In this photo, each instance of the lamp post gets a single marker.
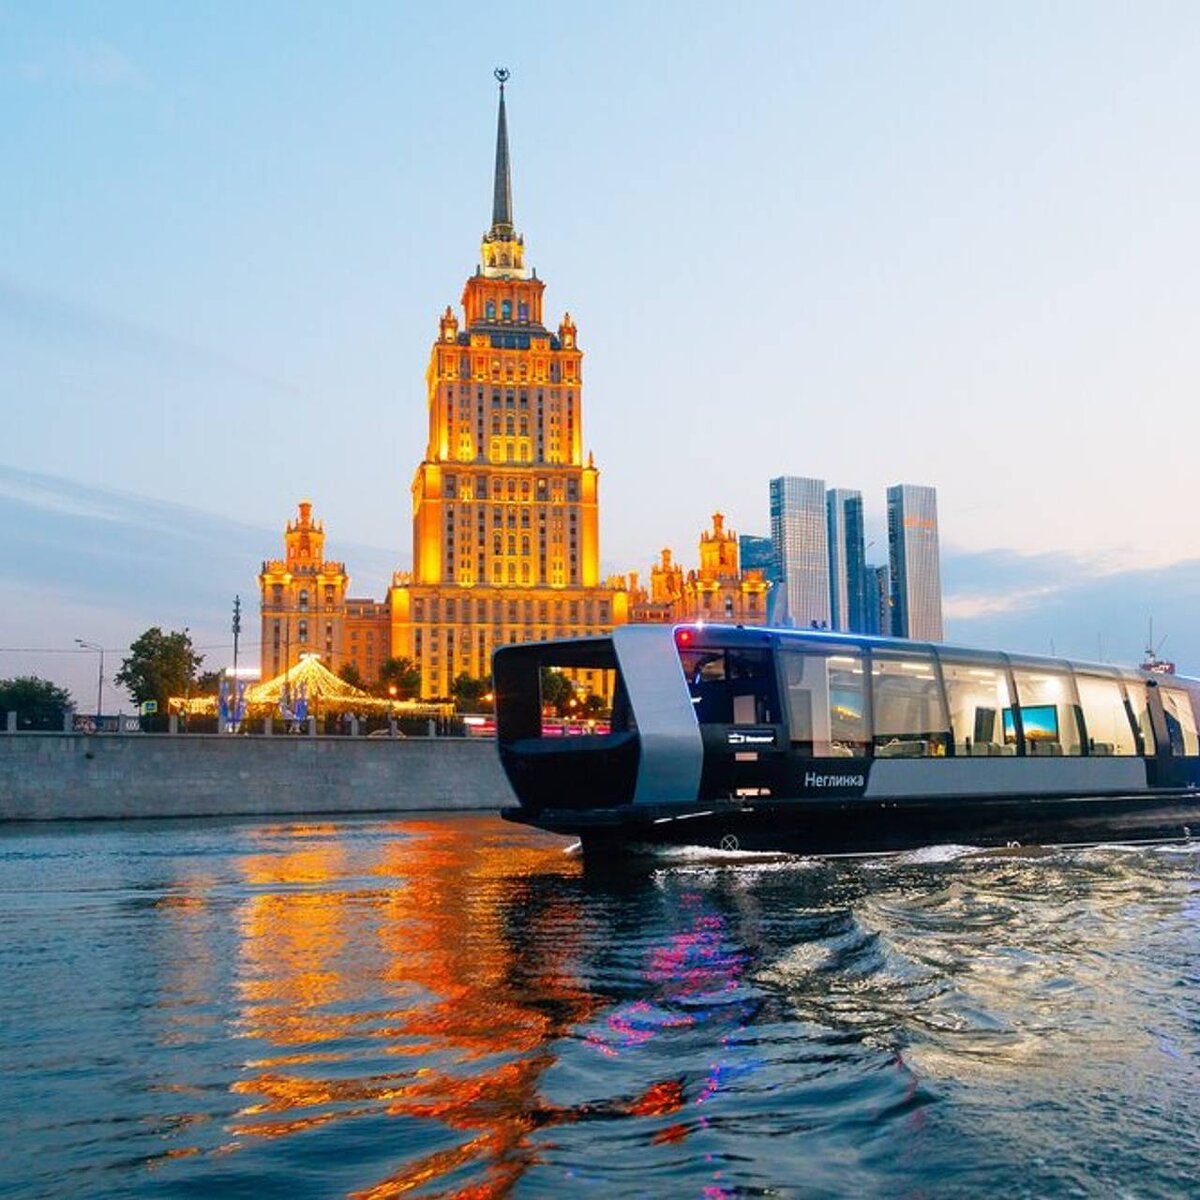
(99, 677)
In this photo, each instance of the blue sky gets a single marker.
(933, 243)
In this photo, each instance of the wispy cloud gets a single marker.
(23, 308)
(95, 64)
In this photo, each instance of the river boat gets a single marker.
(742, 738)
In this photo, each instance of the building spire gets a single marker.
(502, 221)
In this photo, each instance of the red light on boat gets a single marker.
(683, 636)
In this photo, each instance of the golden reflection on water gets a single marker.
(406, 946)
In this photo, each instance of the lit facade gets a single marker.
(913, 555)
(847, 560)
(719, 590)
(800, 536)
(506, 516)
(302, 599)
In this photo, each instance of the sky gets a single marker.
(933, 243)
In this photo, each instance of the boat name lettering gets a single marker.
(813, 780)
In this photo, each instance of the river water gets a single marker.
(453, 1006)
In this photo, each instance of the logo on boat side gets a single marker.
(813, 780)
(750, 737)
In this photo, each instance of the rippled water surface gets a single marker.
(452, 1006)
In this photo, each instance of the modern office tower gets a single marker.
(757, 554)
(913, 557)
(847, 560)
(506, 513)
(800, 537)
(879, 602)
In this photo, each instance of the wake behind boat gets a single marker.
(824, 743)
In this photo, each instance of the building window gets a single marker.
(491, 316)
(303, 598)
(302, 631)
(506, 310)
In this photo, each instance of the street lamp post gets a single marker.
(99, 677)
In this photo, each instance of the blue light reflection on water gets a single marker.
(439, 1006)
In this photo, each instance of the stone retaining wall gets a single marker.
(61, 776)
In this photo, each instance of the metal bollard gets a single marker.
(11, 723)
(432, 727)
(267, 723)
(391, 727)
(312, 726)
(173, 724)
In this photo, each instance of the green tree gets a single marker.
(38, 703)
(401, 673)
(468, 693)
(207, 684)
(350, 674)
(557, 691)
(160, 665)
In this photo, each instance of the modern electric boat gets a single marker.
(831, 743)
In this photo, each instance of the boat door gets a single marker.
(735, 695)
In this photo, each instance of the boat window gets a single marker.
(1139, 708)
(1049, 713)
(826, 701)
(1181, 721)
(977, 696)
(732, 686)
(910, 720)
(1105, 715)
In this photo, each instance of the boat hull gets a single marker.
(864, 826)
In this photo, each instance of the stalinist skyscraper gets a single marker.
(506, 544)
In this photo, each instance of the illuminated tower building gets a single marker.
(303, 599)
(847, 560)
(801, 540)
(913, 557)
(505, 505)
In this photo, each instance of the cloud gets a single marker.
(65, 321)
(1071, 606)
(94, 64)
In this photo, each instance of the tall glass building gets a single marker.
(800, 537)
(847, 560)
(879, 601)
(757, 554)
(914, 560)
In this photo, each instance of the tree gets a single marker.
(207, 684)
(401, 673)
(557, 691)
(350, 674)
(468, 693)
(160, 665)
(38, 703)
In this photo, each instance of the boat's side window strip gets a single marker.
(1181, 721)
(910, 717)
(1106, 716)
(977, 695)
(1050, 717)
(1138, 702)
(826, 700)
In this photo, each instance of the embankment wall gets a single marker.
(61, 776)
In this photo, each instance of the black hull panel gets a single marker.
(860, 826)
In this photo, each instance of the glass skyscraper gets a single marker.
(800, 537)
(847, 560)
(757, 554)
(913, 557)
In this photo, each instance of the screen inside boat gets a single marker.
(1040, 722)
